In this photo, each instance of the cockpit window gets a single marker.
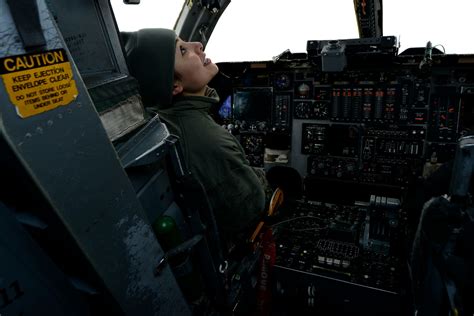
(147, 14)
(251, 30)
(258, 30)
(445, 24)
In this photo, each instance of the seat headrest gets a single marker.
(150, 56)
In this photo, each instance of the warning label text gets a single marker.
(38, 83)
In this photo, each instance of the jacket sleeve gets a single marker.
(239, 201)
(235, 191)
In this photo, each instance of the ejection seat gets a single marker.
(165, 187)
(152, 158)
(442, 258)
(153, 161)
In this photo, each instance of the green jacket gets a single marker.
(218, 161)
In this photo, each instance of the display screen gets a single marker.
(225, 109)
(252, 104)
(343, 140)
(333, 140)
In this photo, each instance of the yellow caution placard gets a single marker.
(38, 82)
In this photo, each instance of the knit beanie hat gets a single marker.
(150, 57)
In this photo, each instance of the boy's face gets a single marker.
(193, 69)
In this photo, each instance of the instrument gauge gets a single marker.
(303, 91)
(302, 110)
(320, 110)
(282, 81)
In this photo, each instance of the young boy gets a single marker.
(173, 77)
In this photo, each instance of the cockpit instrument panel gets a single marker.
(377, 120)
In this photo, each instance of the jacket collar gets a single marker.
(196, 102)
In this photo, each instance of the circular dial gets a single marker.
(320, 110)
(282, 81)
(302, 110)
